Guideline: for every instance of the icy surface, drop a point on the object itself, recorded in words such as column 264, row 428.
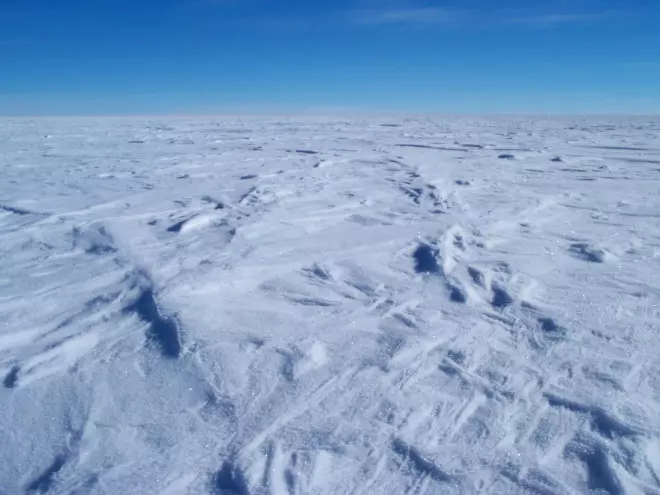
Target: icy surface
column 323, row 306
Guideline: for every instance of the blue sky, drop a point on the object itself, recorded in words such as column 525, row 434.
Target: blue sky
column 214, row 56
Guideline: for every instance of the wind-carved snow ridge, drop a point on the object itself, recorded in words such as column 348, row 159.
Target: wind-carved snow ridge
column 295, row 306
column 163, row 330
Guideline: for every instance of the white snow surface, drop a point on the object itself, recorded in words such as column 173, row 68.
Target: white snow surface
column 330, row 306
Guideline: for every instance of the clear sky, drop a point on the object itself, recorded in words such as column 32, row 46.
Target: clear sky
column 213, row 56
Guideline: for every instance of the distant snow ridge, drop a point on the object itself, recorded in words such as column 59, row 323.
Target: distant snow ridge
column 301, row 306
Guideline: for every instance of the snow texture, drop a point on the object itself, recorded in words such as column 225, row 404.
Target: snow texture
column 321, row 306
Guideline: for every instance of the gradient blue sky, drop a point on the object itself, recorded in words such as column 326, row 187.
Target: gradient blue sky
column 215, row 56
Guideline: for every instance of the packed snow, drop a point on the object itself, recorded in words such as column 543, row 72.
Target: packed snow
column 330, row 306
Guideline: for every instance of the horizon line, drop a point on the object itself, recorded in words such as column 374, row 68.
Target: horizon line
column 331, row 113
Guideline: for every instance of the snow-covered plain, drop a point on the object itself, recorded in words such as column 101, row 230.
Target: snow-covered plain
column 329, row 306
